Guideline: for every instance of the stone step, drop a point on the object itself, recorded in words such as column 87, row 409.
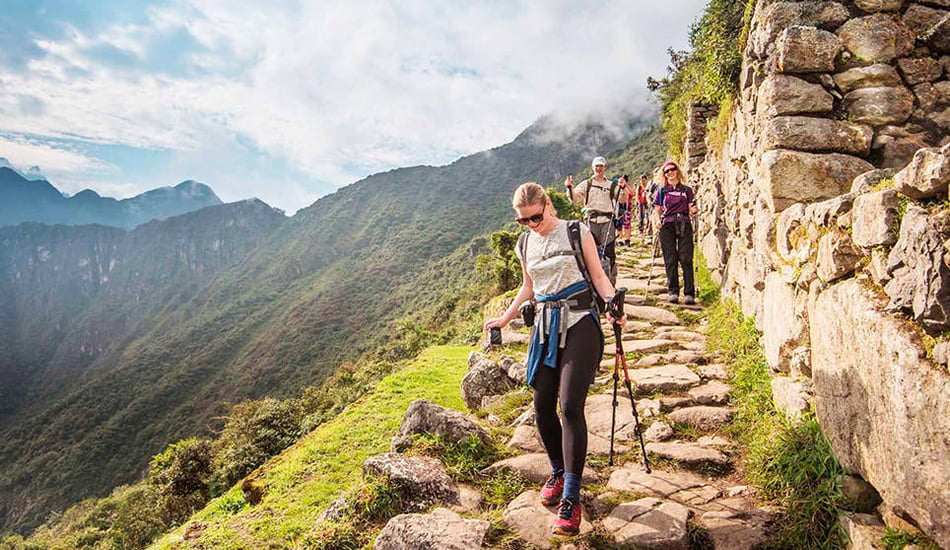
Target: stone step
column 711, row 393
column 599, row 408
column 665, row 379
column 689, row 454
column 713, row 372
column 680, row 335
column 702, row 417
column 640, row 346
column 652, row 314
column 531, row 520
column 675, row 356
column 683, row 487
column 648, row 523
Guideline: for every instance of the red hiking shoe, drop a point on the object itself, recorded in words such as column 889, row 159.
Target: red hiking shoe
column 552, row 489
column 568, row 520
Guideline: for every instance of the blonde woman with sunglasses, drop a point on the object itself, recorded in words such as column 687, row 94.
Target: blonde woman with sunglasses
column 566, row 344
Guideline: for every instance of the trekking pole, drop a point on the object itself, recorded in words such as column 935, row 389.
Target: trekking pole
column 646, row 289
column 696, row 288
column 620, row 360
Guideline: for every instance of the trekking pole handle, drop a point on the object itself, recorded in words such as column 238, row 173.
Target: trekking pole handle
column 615, row 307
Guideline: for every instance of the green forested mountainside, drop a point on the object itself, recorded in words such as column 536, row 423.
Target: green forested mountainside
column 323, row 287
column 72, row 292
column 23, row 200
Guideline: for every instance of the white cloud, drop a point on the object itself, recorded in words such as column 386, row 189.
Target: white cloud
column 340, row 90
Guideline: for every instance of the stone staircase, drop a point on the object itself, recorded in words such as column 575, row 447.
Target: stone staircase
column 695, row 496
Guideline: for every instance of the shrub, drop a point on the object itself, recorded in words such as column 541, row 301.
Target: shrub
column 708, row 72
column 502, row 263
column 255, row 431
column 182, row 468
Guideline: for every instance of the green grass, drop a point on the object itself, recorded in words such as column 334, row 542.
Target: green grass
column 792, row 464
column 896, row 540
column 302, row 481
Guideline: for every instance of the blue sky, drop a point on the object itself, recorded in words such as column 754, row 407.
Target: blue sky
column 287, row 101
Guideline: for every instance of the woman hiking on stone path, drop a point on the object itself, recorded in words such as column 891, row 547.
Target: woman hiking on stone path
column 566, row 344
column 674, row 206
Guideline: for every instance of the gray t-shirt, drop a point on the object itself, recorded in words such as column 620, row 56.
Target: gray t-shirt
column 556, row 272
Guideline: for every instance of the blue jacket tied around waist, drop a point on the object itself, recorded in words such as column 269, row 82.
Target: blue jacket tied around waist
column 550, row 332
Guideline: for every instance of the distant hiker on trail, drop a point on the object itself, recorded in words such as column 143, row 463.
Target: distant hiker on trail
column 643, row 212
column 675, row 205
column 566, row 341
column 597, row 195
column 626, row 200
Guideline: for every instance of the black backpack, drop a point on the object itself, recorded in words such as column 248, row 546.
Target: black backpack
column 574, row 236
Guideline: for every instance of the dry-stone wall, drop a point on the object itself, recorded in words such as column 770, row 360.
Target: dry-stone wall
column 826, row 217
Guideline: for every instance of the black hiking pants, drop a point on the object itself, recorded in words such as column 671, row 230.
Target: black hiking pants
column 565, row 438
column 676, row 240
column 605, row 237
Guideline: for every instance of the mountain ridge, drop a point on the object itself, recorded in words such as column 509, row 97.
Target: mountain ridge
column 23, row 199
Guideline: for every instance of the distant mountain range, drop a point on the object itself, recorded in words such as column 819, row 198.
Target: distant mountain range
column 29, row 197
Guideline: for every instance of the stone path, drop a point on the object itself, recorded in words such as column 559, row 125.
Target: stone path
column 683, row 403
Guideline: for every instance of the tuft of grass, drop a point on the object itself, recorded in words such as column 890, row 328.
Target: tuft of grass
column 792, row 464
column 510, row 406
column 708, row 290
column 463, row 459
column 895, row 539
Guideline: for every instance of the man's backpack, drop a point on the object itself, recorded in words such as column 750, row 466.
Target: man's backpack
column 574, row 236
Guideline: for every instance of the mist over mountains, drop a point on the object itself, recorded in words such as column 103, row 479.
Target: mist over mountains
column 115, row 343
column 29, row 197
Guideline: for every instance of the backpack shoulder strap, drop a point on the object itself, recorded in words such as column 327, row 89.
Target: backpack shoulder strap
column 523, row 246
column 574, row 235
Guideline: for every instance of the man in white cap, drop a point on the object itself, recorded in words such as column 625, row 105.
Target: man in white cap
column 597, row 195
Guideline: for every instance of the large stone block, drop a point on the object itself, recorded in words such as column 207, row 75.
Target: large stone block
column 783, row 328
column 788, row 95
column 929, row 26
column 875, row 219
column 872, row 76
column 927, row 175
column 425, row 417
column 880, row 5
column 807, row 50
column 791, row 397
column 882, row 406
column 787, row 177
column 877, row 38
column 818, row 135
column 771, row 20
column 920, row 70
column 920, row 281
column 837, row 256
column 880, row 106
column 441, row 529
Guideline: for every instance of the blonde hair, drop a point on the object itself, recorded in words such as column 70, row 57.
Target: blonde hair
column 678, row 169
column 529, row 193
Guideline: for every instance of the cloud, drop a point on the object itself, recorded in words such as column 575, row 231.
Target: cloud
column 340, row 90
column 69, row 169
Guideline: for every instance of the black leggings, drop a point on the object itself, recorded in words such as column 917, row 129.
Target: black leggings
column 577, row 365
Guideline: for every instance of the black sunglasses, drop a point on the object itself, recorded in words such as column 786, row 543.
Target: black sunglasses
column 531, row 219
column 668, row 170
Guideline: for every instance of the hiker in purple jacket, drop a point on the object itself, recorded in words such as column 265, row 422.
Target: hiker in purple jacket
column 674, row 205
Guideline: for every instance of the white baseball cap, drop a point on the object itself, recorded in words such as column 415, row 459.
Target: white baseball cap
column 598, row 160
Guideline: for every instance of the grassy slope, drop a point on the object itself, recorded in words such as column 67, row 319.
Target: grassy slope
column 305, row 478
